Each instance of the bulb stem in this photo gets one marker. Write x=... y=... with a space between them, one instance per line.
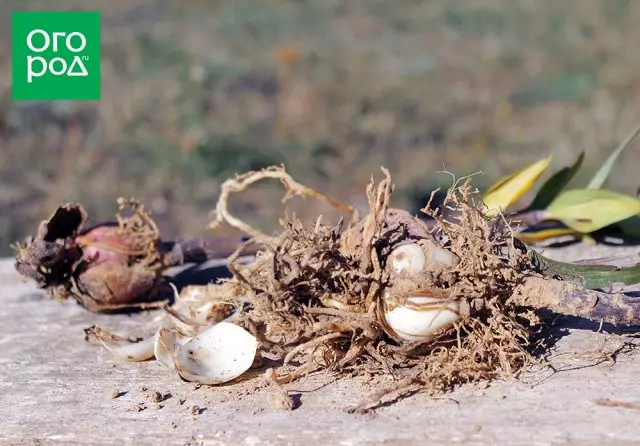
x=201 y=249
x=574 y=300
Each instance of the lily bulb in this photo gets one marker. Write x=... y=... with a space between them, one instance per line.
x=420 y=317
x=417 y=318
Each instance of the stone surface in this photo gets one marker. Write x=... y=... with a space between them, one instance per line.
x=55 y=388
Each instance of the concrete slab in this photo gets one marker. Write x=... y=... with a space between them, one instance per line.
x=55 y=388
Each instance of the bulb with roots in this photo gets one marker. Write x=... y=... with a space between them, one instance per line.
x=112 y=265
x=416 y=315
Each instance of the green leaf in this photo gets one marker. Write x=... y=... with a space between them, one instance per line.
x=587 y=210
x=630 y=226
x=554 y=185
x=509 y=189
x=603 y=173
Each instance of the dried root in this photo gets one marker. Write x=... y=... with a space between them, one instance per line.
x=242 y=182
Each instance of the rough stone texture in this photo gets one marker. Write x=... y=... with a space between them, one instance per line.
x=55 y=388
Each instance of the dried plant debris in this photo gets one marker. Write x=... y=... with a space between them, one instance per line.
x=113 y=265
x=436 y=306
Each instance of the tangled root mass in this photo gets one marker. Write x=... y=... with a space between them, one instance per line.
x=316 y=294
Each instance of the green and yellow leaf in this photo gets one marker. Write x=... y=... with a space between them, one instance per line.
x=588 y=210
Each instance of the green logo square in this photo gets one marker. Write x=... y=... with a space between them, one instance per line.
x=56 y=56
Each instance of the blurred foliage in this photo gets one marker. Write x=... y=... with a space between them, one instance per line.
x=195 y=91
x=603 y=173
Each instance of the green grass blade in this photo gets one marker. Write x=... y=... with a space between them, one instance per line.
x=603 y=173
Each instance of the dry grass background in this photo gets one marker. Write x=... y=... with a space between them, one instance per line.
x=193 y=92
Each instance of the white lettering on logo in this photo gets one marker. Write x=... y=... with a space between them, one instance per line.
x=47 y=40
x=38 y=66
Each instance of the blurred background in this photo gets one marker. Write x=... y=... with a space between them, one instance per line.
x=196 y=91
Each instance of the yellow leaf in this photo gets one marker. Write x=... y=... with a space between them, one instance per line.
x=587 y=210
x=509 y=189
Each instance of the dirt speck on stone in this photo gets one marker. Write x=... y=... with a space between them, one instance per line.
x=279 y=399
x=139 y=407
x=197 y=410
x=158 y=397
x=115 y=393
x=193 y=441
